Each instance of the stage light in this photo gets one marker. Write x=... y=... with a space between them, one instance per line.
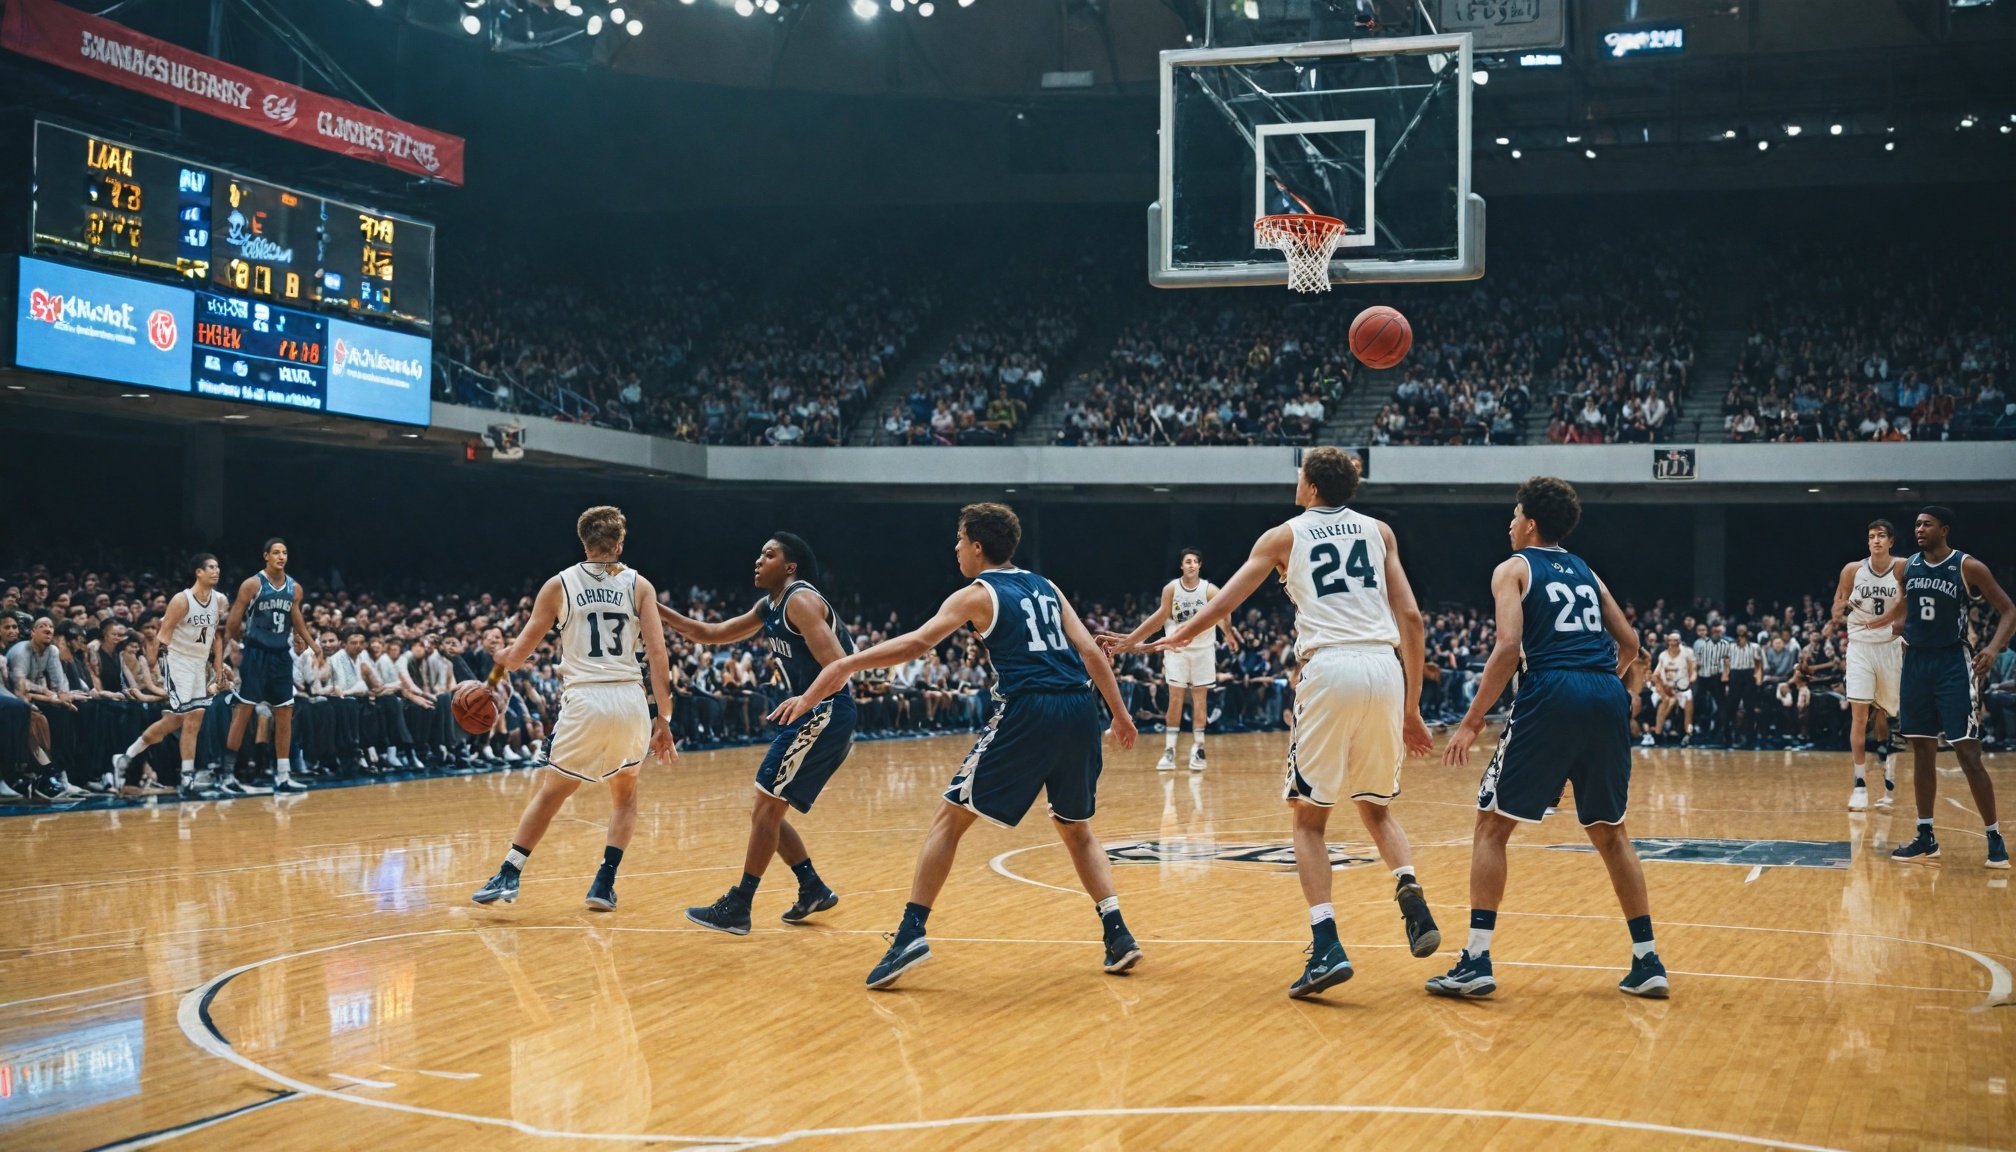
x=1588 y=153
x=1515 y=154
x=471 y=24
x=1966 y=121
x=1574 y=139
x=1792 y=129
x=594 y=25
x=865 y=9
x=965 y=3
x=1480 y=76
x=1889 y=146
x=2005 y=129
x=747 y=8
x=926 y=8
x=685 y=1
x=634 y=27
x=1763 y=145
x=770 y=7
x=1503 y=140
x=1252 y=9
x=375 y=3
x=615 y=16
x=895 y=5
x=1833 y=129
x=1728 y=134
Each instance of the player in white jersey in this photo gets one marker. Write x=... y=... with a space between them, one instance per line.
x=1866 y=590
x=1358 y=709
x=1193 y=669
x=604 y=612
x=193 y=669
x=1673 y=683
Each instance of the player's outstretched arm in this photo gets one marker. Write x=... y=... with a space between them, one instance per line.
x=722 y=632
x=1413 y=646
x=1098 y=667
x=1973 y=572
x=545 y=615
x=968 y=605
x=1115 y=645
x=1508 y=589
x=653 y=628
x=1270 y=554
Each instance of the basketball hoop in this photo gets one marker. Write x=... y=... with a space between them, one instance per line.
x=1307 y=241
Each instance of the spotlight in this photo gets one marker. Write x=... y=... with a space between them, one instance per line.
x=744 y=8
x=2005 y=129
x=770 y=7
x=865 y=9
x=594 y=25
x=1515 y=154
x=965 y=3
x=1889 y=146
x=1574 y=139
x=1480 y=77
x=1763 y=145
x=685 y=1
x=1833 y=130
x=1793 y=129
x=895 y=5
x=1966 y=121
x=1588 y=153
x=471 y=24
x=1252 y=9
x=1503 y=140
x=615 y=16
x=634 y=27
x=375 y=3
x=1728 y=134
x=926 y=8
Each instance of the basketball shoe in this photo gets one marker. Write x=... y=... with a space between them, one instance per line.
x=729 y=914
x=809 y=903
x=899 y=959
x=503 y=886
x=602 y=893
x=1423 y=937
x=1470 y=977
x=1998 y=852
x=1647 y=978
x=1122 y=952
x=1923 y=846
x=1858 y=800
x=1196 y=758
x=1325 y=970
x=1168 y=761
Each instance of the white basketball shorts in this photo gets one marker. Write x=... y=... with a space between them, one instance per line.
x=187 y=679
x=603 y=729
x=1347 y=726
x=1191 y=667
x=1875 y=673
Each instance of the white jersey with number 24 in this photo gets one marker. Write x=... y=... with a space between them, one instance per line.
x=1337 y=578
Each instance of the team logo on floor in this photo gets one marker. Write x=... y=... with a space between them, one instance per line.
x=1744 y=853
x=1204 y=851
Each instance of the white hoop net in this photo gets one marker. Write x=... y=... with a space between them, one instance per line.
x=1307 y=241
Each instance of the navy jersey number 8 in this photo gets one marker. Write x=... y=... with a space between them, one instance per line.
x=1325 y=560
x=1589 y=618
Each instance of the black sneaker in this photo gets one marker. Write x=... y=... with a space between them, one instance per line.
x=503 y=886
x=1647 y=978
x=809 y=903
x=729 y=914
x=1325 y=970
x=1423 y=937
x=1998 y=851
x=1122 y=952
x=1470 y=977
x=899 y=959
x=602 y=893
x=1922 y=847
x=289 y=785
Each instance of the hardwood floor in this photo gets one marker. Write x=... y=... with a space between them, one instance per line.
x=309 y=973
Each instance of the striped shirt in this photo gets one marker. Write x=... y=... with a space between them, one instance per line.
x=1711 y=657
x=1744 y=657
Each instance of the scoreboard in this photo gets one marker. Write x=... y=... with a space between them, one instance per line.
x=118 y=204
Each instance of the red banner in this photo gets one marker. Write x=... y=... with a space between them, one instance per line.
x=118 y=55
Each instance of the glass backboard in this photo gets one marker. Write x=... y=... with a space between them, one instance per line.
x=1375 y=132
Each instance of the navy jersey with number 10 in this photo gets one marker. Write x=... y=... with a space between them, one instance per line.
x=1026 y=643
x=1564 y=614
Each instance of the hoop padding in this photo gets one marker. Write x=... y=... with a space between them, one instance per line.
x=1307 y=241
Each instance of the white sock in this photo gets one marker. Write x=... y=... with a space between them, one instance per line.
x=1169 y=736
x=1480 y=941
x=281 y=769
x=515 y=858
x=139 y=746
x=1405 y=872
x=1641 y=948
x=1197 y=741
x=1109 y=904
x=1995 y=828
x=1321 y=912
x=188 y=769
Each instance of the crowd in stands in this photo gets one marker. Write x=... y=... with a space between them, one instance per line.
x=373 y=694
x=1861 y=345
x=1602 y=336
x=1215 y=367
x=678 y=355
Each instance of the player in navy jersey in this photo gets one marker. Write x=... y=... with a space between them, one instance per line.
x=1939 y=697
x=1571 y=646
x=1044 y=735
x=803 y=634
x=266 y=615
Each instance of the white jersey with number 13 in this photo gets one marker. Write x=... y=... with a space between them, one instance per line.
x=598 y=626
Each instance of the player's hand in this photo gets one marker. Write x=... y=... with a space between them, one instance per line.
x=1414 y=733
x=1112 y=643
x=1984 y=663
x=1123 y=730
x=1458 y=750
x=662 y=748
x=789 y=711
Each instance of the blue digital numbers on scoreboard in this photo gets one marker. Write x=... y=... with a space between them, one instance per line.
x=259 y=353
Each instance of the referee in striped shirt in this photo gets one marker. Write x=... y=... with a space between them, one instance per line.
x=1711 y=664
x=1744 y=656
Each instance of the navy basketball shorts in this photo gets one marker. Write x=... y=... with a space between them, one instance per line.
x=1568 y=726
x=807 y=753
x=1937 y=698
x=265 y=677
x=1036 y=742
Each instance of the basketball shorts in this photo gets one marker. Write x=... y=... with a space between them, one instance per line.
x=1346 y=740
x=1938 y=697
x=265 y=676
x=1680 y=696
x=1191 y=667
x=187 y=679
x=807 y=753
x=1875 y=673
x=1037 y=742
x=1568 y=726
x=603 y=729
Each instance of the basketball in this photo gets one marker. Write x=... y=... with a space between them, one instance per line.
x=1380 y=337
x=475 y=708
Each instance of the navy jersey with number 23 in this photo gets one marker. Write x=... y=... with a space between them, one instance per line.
x=1026 y=644
x=1564 y=614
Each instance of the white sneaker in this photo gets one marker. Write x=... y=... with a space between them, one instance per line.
x=511 y=755
x=1646 y=741
x=7 y=793
x=1168 y=761
x=1858 y=800
x=1196 y=759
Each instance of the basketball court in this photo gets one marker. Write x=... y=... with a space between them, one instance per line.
x=309 y=973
